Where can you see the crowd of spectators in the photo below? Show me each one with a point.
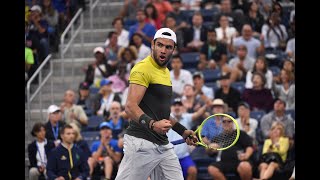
(250, 43)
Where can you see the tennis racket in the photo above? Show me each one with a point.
(218, 132)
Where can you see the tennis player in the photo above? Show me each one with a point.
(147, 151)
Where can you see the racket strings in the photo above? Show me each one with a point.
(224, 139)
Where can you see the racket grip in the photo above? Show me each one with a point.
(180, 141)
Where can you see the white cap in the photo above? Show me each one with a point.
(98, 49)
(166, 33)
(53, 108)
(36, 8)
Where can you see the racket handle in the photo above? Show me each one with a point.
(180, 141)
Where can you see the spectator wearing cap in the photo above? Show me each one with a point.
(202, 91)
(112, 49)
(230, 95)
(38, 152)
(182, 151)
(54, 124)
(99, 68)
(67, 161)
(105, 151)
(102, 100)
(258, 97)
(179, 77)
(278, 114)
(286, 89)
(73, 113)
(146, 30)
(84, 96)
(245, 122)
(142, 50)
(122, 34)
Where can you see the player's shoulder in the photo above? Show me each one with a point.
(143, 65)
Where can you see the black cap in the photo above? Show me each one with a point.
(245, 104)
(177, 101)
(84, 85)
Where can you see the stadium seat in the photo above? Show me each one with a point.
(90, 137)
(240, 86)
(257, 115)
(292, 113)
(190, 60)
(212, 85)
(232, 114)
(93, 123)
(208, 14)
(275, 70)
(211, 75)
(93, 90)
(202, 167)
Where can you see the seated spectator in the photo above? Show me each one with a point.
(254, 46)
(98, 69)
(258, 97)
(117, 123)
(228, 94)
(120, 79)
(122, 34)
(245, 122)
(84, 99)
(105, 151)
(80, 143)
(291, 48)
(38, 152)
(163, 7)
(146, 30)
(287, 65)
(286, 90)
(54, 124)
(143, 50)
(275, 150)
(170, 23)
(61, 7)
(67, 160)
(278, 114)
(190, 5)
(195, 36)
(213, 53)
(241, 64)
(112, 49)
(225, 33)
(130, 9)
(275, 34)
(179, 77)
(202, 91)
(182, 150)
(237, 159)
(73, 113)
(260, 65)
(181, 19)
(189, 100)
(129, 56)
(29, 62)
(254, 18)
(51, 15)
(152, 16)
(102, 101)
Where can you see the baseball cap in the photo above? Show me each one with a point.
(84, 85)
(166, 33)
(198, 74)
(105, 82)
(36, 8)
(245, 104)
(279, 99)
(218, 102)
(98, 49)
(177, 101)
(53, 108)
(104, 125)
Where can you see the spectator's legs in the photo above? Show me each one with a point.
(34, 173)
(108, 167)
(92, 163)
(270, 170)
(44, 52)
(216, 173)
(245, 170)
(192, 173)
(263, 167)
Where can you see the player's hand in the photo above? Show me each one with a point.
(162, 126)
(190, 137)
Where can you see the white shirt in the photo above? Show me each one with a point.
(97, 75)
(252, 44)
(230, 32)
(41, 154)
(143, 52)
(253, 126)
(123, 39)
(196, 35)
(181, 150)
(184, 78)
(291, 46)
(272, 40)
(268, 75)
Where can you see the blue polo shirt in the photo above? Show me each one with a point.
(113, 144)
(148, 29)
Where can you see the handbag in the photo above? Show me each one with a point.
(271, 157)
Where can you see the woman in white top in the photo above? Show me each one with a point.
(123, 35)
(225, 33)
(286, 89)
(143, 50)
(261, 66)
(247, 124)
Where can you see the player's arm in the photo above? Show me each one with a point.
(188, 135)
(135, 95)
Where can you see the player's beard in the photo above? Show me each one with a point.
(161, 63)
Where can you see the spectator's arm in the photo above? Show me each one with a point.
(199, 113)
(83, 118)
(116, 156)
(248, 152)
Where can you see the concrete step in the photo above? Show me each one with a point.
(82, 50)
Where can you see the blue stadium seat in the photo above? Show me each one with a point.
(232, 114)
(90, 136)
(93, 123)
(208, 14)
(202, 167)
(275, 70)
(212, 85)
(190, 59)
(211, 75)
(89, 112)
(188, 14)
(292, 113)
(257, 115)
(240, 86)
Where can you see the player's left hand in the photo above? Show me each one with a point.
(190, 137)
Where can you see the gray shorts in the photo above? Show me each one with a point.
(143, 158)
